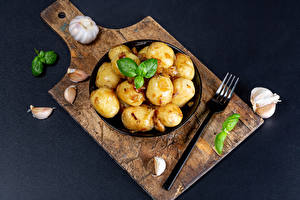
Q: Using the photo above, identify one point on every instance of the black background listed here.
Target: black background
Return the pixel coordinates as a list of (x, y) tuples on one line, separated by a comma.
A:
[(55, 159)]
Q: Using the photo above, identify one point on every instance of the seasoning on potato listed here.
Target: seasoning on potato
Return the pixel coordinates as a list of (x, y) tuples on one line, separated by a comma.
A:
[(123, 55), (184, 90), (138, 118), (162, 52), (129, 95), (160, 90), (142, 53), (147, 87), (170, 115), (184, 66), (106, 77), (116, 51), (105, 102)]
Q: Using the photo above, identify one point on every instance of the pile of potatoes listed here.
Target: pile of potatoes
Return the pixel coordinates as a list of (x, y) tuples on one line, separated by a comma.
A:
[(157, 104)]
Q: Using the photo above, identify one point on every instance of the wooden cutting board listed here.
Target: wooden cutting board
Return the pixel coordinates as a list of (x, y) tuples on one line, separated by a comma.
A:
[(134, 154)]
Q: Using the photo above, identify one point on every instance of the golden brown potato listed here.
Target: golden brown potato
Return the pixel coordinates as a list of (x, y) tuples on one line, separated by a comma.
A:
[(105, 101), (158, 124), (129, 95), (170, 115), (163, 53), (126, 55), (185, 67), (116, 51), (106, 77), (160, 90), (138, 118), (171, 72), (142, 53), (184, 90)]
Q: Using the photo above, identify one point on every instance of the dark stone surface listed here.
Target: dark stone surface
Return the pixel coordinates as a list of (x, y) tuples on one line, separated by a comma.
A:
[(257, 40)]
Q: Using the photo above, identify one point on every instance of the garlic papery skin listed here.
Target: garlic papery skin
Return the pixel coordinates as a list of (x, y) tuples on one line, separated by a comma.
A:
[(83, 29), (70, 94), (40, 112), (77, 75), (159, 165), (264, 101)]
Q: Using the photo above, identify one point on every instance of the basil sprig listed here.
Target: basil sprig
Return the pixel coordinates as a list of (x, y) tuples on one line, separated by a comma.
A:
[(37, 65), (129, 68), (228, 125)]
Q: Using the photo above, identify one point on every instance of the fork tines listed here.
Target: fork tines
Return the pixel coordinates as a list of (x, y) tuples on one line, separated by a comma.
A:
[(226, 89)]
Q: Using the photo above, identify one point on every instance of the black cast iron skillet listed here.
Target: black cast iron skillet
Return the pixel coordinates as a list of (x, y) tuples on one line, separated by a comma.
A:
[(187, 111)]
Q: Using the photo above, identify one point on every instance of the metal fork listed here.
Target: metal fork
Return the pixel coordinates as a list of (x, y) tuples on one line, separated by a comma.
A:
[(217, 104)]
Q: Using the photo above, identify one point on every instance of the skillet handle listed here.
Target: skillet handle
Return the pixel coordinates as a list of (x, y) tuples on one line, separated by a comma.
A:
[(185, 155)]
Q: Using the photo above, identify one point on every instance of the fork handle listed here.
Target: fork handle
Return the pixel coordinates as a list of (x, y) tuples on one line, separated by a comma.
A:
[(185, 155)]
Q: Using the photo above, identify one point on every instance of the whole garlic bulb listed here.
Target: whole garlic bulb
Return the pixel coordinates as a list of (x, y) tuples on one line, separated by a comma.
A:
[(264, 101), (83, 29)]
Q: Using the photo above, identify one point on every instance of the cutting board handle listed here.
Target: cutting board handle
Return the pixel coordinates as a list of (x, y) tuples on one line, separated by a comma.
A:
[(58, 16)]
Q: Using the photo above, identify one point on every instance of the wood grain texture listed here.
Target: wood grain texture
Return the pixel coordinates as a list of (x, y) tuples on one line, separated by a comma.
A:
[(135, 154)]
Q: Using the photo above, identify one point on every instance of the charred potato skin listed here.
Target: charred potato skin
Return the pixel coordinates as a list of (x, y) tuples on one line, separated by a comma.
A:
[(116, 51), (105, 101), (163, 53), (126, 55), (184, 90), (159, 90), (185, 66), (127, 93), (139, 118), (106, 77), (170, 115)]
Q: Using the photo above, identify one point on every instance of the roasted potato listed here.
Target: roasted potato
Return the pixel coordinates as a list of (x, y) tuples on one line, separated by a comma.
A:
[(184, 90), (126, 55), (116, 51), (142, 53), (129, 95), (106, 77), (105, 101), (170, 115), (158, 124), (159, 90), (163, 53), (185, 67), (138, 118)]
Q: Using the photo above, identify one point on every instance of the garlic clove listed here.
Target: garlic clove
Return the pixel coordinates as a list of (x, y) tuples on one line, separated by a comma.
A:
[(159, 165), (40, 112), (70, 94), (264, 101), (266, 111), (77, 75), (256, 92)]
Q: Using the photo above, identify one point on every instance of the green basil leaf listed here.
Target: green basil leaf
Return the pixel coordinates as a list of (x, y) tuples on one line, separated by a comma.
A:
[(127, 67), (37, 66), (230, 122), (36, 51), (141, 70), (138, 82), (151, 67), (219, 142), (50, 57), (41, 54), (43, 60)]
